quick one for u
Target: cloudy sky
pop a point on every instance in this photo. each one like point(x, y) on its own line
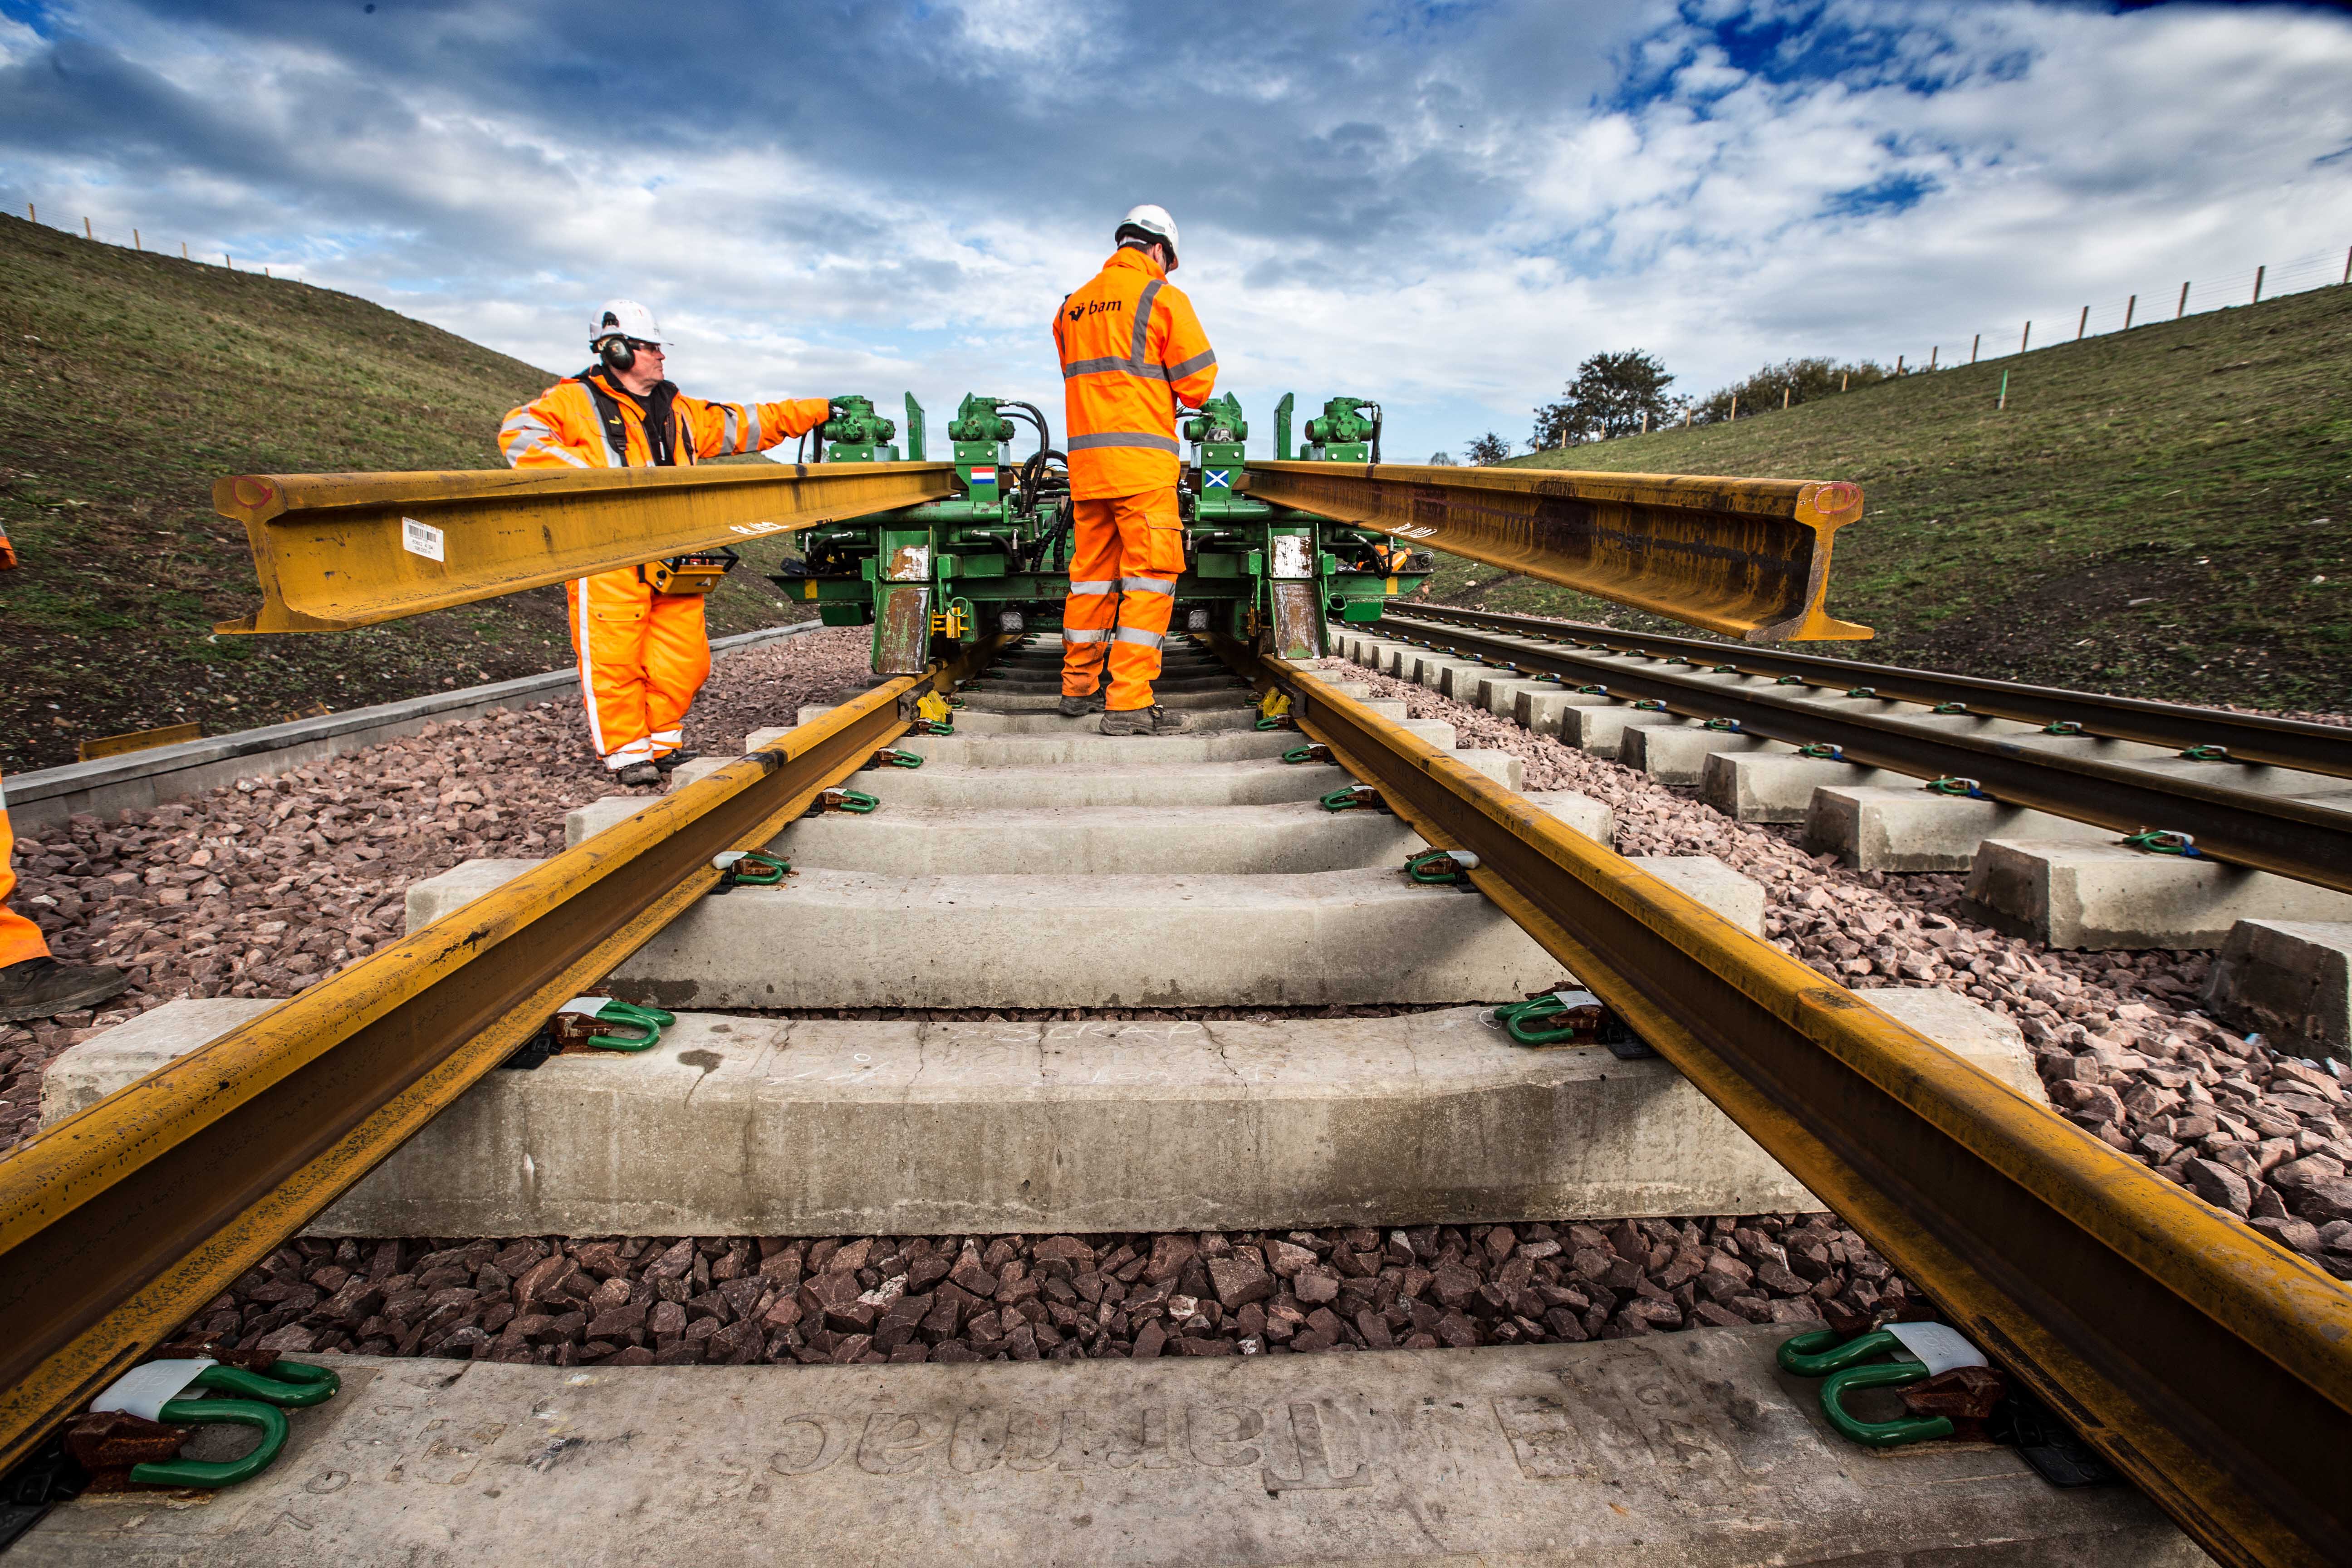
point(1445, 206)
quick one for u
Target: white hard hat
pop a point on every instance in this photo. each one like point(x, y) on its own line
point(623, 318)
point(1150, 223)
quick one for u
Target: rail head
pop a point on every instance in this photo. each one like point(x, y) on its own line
point(1744, 558)
point(332, 552)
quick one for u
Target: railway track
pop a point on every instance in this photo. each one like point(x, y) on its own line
point(1029, 867)
point(2271, 795)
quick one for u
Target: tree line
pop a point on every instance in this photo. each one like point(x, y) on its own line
point(1622, 393)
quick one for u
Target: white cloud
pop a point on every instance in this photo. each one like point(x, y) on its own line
point(1444, 212)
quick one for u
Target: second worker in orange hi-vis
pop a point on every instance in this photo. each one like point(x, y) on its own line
point(1132, 351)
point(643, 654)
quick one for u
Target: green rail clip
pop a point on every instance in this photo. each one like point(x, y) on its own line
point(891, 757)
point(857, 802)
point(1314, 751)
point(607, 1024)
point(2205, 755)
point(1441, 868)
point(261, 1401)
point(1960, 788)
point(748, 868)
point(1824, 750)
point(2164, 841)
point(1923, 1349)
point(1352, 797)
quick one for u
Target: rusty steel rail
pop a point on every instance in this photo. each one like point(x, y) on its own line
point(119, 1222)
point(337, 551)
point(2248, 736)
point(2213, 1368)
point(2307, 841)
point(1747, 558)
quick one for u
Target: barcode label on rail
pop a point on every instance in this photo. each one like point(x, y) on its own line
point(420, 539)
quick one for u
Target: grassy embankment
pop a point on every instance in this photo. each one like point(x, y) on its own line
point(2163, 514)
point(129, 382)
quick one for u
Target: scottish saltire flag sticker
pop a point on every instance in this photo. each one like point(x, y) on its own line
point(1217, 478)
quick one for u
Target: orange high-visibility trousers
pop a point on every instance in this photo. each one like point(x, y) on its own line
point(1126, 554)
point(643, 656)
point(20, 939)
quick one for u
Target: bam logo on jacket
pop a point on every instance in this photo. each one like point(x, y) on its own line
point(1095, 308)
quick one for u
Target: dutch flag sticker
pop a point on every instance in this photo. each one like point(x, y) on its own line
point(984, 476)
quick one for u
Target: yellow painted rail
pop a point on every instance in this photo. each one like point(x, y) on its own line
point(1745, 558)
point(117, 1223)
point(337, 551)
point(2211, 1367)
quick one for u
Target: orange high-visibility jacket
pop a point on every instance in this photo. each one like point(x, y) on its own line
point(1131, 349)
point(561, 429)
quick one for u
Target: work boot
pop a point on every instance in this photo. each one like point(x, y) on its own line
point(42, 988)
point(639, 774)
point(1079, 707)
point(1152, 720)
point(668, 761)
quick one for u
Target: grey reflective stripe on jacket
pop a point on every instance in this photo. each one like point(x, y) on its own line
point(1144, 438)
point(1198, 363)
point(1090, 587)
point(1148, 584)
point(1143, 319)
point(1113, 366)
point(1080, 634)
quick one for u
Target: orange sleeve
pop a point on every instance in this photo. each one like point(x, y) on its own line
point(1191, 362)
point(543, 434)
point(722, 429)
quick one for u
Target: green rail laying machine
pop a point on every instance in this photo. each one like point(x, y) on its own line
point(996, 556)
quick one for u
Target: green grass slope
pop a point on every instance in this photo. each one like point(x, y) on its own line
point(2162, 513)
point(130, 381)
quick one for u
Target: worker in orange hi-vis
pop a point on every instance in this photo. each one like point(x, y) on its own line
point(1132, 351)
point(643, 652)
point(31, 983)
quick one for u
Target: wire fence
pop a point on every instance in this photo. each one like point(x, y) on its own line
point(139, 243)
point(2321, 270)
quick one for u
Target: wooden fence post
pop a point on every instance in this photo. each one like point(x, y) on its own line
point(86, 233)
point(2182, 308)
point(135, 241)
point(1932, 353)
point(2025, 338)
point(1645, 421)
point(183, 251)
point(1735, 409)
point(33, 215)
point(1974, 343)
point(1844, 377)
point(1686, 416)
point(2130, 306)
point(2081, 322)
point(2347, 261)
point(2258, 283)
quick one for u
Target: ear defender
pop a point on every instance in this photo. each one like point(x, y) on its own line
point(614, 350)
